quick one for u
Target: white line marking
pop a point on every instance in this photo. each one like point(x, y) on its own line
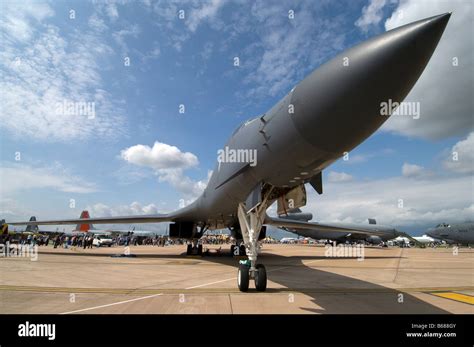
point(208, 284)
point(114, 303)
point(155, 295)
point(234, 278)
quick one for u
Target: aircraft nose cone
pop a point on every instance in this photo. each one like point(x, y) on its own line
point(344, 97)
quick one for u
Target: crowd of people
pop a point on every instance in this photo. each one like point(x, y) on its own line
point(219, 239)
point(86, 240)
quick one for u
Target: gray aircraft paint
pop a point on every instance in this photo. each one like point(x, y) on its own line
point(462, 233)
point(348, 231)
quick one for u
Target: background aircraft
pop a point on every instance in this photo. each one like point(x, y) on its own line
point(89, 227)
point(80, 228)
point(330, 112)
point(289, 240)
point(425, 239)
point(462, 233)
point(339, 232)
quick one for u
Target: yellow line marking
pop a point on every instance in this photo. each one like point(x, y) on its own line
point(464, 298)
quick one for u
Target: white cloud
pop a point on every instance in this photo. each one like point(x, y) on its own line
point(287, 49)
point(160, 156)
point(121, 35)
point(19, 177)
point(111, 10)
point(371, 14)
point(97, 23)
point(205, 11)
point(443, 90)
point(284, 51)
point(152, 54)
point(461, 157)
point(190, 188)
point(168, 163)
point(135, 209)
point(196, 13)
point(50, 70)
point(16, 19)
point(426, 201)
point(339, 177)
point(413, 170)
point(9, 208)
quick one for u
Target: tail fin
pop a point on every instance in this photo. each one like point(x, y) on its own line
point(84, 227)
point(32, 228)
point(4, 227)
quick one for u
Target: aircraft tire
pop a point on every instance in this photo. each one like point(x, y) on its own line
point(189, 249)
point(261, 278)
point(243, 278)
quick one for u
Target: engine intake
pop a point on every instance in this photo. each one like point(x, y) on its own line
point(183, 230)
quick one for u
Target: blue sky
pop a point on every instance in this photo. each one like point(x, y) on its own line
point(111, 164)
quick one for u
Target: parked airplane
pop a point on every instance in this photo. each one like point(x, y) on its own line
point(80, 227)
point(399, 241)
point(89, 227)
point(289, 240)
point(329, 113)
point(462, 233)
point(340, 232)
point(426, 240)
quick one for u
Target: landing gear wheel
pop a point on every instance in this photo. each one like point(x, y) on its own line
point(199, 249)
point(243, 278)
point(189, 249)
point(260, 278)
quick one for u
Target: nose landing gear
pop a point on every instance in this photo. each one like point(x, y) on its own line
point(244, 276)
point(250, 225)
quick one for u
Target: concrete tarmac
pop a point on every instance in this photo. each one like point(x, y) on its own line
point(302, 279)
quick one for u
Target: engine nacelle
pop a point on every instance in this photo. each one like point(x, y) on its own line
point(303, 216)
point(183, 230)
point(375, 240)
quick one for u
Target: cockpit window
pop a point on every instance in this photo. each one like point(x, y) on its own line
point(443, 225)
point(247, 122)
